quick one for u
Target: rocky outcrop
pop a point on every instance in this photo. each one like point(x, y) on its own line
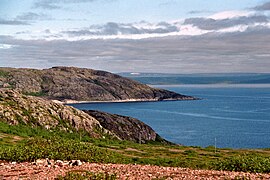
point(80, 84)
point(16, 108)
point(127, 128)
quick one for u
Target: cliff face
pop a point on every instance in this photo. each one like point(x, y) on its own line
point(125, 127)
point(70, 83)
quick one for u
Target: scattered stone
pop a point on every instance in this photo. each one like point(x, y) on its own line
point(41, 162)
point(59, 163)
point(48, 161)
point(123, 171)
point(75, 163)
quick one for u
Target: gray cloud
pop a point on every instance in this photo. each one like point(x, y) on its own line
point(119, 28)
point(263, 7)
point(12, 22)
point(25, 19)
point(232, 52)
point(199, 12)
point(56, 4)
point(212, 24)
point(30, 16)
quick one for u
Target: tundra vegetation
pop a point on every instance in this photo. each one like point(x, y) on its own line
point(24, 143)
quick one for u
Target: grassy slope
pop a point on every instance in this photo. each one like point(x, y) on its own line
point(22, 143)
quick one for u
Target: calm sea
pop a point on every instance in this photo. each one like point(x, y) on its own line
point(230, 116)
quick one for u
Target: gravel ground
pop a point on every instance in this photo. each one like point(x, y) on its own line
point(28, 170)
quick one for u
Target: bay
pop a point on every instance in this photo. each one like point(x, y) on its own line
point(228, 116)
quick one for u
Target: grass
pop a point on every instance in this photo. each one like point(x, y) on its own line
point(38, 94)
point(3, 73)
point(38, 143)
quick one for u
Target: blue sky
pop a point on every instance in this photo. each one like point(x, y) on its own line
point(83, 13)
point(124, 32)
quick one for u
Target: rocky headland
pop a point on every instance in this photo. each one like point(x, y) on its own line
point(73, 85)
point(126, 128)
point(17, 108)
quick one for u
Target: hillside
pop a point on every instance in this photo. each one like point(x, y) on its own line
point(16, 108)
point(79, 84)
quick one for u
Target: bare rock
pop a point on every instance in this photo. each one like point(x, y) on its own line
point(16, 108)
point(126, 128)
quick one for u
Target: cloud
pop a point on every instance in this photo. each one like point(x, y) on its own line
point(144, 30)
point(6, 46)
point(30, 16)
point(12, 22)
point(231, 52)
point(125, 29)
point(56, 4)
point(230, 15)
point(199, 12)
point(213, 24)
point(47, 4)
point(24, 19)
point(263, 7)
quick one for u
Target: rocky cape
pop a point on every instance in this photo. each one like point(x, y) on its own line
point(17, 108)
point(73, 85)
point(127, 128)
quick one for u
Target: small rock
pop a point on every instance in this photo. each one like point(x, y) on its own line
point(13, 163)
point(41, 162)
point(59, 163)
point(75, 163)
point(48, 161)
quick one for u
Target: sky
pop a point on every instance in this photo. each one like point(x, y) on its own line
point(167, 36)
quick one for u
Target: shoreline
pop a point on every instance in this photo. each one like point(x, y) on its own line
point(68, 101)
point(219, 85)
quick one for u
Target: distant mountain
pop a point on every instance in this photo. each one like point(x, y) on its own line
point(80, 84)
point(222, 78)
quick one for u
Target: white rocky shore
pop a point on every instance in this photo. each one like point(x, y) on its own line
point(49, 169)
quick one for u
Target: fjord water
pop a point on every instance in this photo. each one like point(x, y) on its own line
point(231, 117)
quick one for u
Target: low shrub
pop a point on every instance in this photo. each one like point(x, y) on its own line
point(56, 148)
point(245, 163)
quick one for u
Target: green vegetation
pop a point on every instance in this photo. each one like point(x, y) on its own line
point(87, 175)
point(55, 148)
point(24, 143)
point(3, 73)
point(38, 94)
point(246, 163)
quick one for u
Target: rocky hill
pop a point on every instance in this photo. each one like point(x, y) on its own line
point(16, 108)
point(80, 84)
point(125, 127)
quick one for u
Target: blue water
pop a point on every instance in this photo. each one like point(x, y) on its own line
point(237, 117)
